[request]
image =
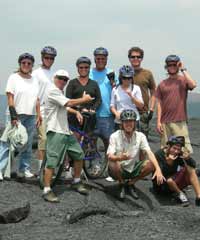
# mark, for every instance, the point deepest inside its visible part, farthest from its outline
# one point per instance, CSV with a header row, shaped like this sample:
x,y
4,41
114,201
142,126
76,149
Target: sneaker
x,y
183,199
95,171
80,188
110,179
197,202
122,192
1,176
28,174
50,197
132,191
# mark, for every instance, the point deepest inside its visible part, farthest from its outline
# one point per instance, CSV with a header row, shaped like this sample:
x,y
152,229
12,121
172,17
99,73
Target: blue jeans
x,y
105,126
25,155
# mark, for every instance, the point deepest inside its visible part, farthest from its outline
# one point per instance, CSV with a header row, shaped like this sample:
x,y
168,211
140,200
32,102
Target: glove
x,y
111,77
13,113
150,115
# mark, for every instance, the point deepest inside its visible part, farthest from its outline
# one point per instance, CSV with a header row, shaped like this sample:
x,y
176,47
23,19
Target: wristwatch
x,y
183,69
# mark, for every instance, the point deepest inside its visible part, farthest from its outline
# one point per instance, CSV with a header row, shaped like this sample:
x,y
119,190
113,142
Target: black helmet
x,y
172,58
49,50
126,72
101,51
128,114
173,140
83,60
26,56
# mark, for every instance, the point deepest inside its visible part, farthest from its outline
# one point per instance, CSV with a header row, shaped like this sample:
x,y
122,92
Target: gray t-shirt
x,y
56,112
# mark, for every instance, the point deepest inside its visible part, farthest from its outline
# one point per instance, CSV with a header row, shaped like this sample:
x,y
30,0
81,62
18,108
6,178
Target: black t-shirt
x,y
75,90
167,170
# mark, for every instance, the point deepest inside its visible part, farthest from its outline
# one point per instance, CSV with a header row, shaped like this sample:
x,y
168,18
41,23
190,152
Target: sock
x,y
46,190
76,180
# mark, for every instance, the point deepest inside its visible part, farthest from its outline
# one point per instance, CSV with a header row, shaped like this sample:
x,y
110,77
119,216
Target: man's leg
x,y
165,135
55,153
115,171
181,129
76,154
41,145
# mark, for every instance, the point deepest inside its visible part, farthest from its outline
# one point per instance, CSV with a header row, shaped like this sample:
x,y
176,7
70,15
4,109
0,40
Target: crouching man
x,y
124,145
179,170
59,138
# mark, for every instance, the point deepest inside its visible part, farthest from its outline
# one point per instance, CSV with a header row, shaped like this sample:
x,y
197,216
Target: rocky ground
x,y
101,215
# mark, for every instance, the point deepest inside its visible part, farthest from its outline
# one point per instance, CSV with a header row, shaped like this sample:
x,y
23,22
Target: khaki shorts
x,y
58,145
42,137
176,129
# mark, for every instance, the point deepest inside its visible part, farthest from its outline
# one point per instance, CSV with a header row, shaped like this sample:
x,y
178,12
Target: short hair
x,y
136,49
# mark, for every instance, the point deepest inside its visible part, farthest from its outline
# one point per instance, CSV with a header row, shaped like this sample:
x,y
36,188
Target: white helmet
x,y
61,73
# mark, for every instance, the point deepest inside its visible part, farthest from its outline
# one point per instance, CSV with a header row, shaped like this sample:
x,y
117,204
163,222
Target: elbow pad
x,y
13,113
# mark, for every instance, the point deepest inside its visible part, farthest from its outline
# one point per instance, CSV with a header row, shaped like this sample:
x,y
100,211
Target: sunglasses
x,y
135,57
49,58
100,59
65,79
172,65
127,78
83,67
26,63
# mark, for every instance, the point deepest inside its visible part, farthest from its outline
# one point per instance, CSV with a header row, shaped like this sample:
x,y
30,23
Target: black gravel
x,y
101,215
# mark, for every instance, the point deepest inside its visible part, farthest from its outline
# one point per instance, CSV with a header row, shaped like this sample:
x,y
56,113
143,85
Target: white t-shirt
x,y
121,100
55,111
25,93
120,144
45,78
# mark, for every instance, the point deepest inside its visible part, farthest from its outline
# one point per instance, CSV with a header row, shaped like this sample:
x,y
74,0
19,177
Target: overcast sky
x,y
76,27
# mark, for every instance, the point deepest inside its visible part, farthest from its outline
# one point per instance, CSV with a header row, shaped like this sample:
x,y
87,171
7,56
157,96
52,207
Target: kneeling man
x,y
179,170
124,145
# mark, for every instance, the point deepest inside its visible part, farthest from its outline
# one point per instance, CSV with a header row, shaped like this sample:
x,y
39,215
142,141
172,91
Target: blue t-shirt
x,y
105,88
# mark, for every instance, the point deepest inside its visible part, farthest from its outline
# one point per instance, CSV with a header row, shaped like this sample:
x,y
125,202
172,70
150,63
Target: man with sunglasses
x,y
44,74
178,169
59,138
145,80
172,96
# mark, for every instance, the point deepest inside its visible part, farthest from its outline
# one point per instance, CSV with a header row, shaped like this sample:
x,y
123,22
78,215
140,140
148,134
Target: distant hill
x,y
193,106
194,97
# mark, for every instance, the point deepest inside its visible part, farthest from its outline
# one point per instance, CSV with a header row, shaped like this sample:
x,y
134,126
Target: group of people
x,y
120,107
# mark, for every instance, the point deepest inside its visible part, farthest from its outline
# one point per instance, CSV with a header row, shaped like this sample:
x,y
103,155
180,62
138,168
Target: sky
x,y
76,27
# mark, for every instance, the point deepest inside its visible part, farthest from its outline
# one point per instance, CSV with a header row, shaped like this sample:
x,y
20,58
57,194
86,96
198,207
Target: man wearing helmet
x,y
104,77
77,87
145,80
44,75
170,158
172,95
126,95
124,145
105,121
59,138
